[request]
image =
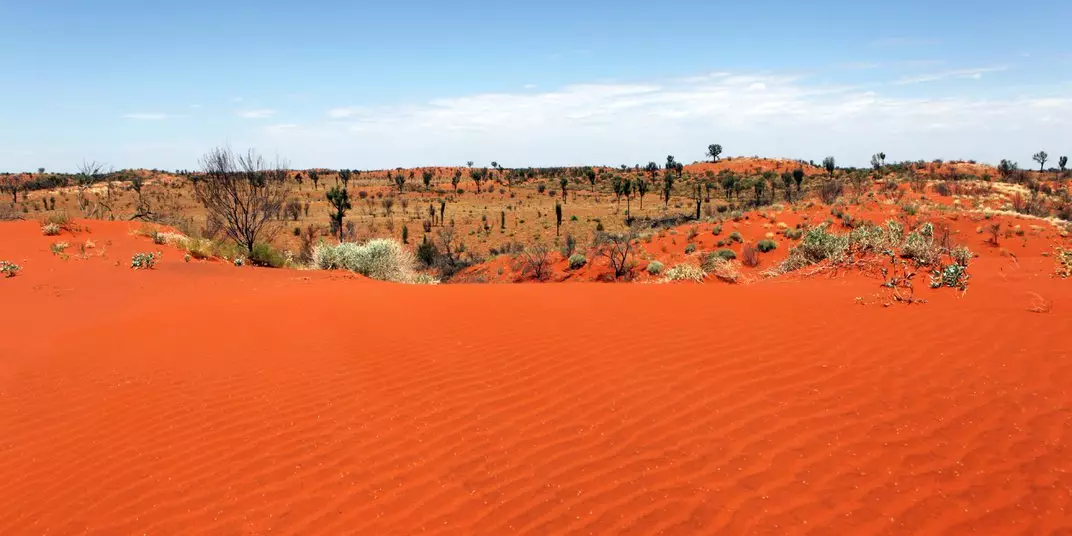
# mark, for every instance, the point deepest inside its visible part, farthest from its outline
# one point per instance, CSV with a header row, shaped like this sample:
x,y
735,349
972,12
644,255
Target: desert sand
x,y
201,398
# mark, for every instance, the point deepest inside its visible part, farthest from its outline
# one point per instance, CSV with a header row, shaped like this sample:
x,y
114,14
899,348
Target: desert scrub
x,y
722,269
724,254
57,248
655,267
266,255
765,246
961,255
9,269
817,245
717,230
1063,258
793,234
736,237
50,229
380,258
951,275
690,248
577,260
685,272
144,261
919,246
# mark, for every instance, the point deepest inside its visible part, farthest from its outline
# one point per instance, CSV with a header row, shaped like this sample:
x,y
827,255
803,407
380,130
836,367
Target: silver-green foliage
x,y
380,258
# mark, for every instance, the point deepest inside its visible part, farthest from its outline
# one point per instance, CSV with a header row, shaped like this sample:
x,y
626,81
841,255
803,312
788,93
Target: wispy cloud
x,y
974,74
339,113
632,122
147,116
255,114
195,106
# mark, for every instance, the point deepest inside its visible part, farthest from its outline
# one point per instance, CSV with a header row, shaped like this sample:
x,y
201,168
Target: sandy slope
x,y
203,398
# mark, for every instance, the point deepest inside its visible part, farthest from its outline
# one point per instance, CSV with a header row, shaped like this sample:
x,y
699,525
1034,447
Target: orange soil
x,y
201,398
752,165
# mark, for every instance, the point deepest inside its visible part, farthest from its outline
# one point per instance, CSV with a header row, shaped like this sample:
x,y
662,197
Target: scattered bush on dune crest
x,y
685,272
1063,257
722,269
144,261
919,246
380,258
577,260
50,229
9,269
655,267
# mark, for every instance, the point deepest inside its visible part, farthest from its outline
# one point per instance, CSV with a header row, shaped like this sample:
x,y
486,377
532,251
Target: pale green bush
x,y
380,258
685,272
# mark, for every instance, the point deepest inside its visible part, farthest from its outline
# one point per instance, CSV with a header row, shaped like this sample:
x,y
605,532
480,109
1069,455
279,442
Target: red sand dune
x,y
202,398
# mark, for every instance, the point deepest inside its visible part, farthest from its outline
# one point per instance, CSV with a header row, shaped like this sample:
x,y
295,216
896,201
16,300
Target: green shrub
x,y
685,272
577,260
766,245
717,230
427,252
655,267
725,254
144,261
793,234
736,237
951,275
690,248
58,248
919,245
961,255
9,269
816,246
50,229
379,258
266,255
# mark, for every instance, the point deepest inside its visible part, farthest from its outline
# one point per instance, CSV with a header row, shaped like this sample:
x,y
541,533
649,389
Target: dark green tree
x,y
714,150
340,201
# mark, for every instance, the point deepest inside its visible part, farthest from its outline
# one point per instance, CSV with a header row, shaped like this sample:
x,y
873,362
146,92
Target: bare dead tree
x,y
536,261
88,173
617,248
244,192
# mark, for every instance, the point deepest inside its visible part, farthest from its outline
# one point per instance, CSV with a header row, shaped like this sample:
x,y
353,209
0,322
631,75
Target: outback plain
x,y
739,345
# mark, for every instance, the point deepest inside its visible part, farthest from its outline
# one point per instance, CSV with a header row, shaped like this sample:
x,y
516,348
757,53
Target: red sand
x,y
202,398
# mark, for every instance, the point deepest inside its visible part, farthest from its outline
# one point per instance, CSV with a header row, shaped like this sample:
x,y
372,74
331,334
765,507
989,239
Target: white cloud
x,y
339,113
633,123
530,86
147,116
255,114
974,74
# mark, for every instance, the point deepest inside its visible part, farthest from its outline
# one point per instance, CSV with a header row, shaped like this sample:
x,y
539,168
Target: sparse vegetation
x,y
9,269
244,192
685,272
655,268
577,261
380,258
144,261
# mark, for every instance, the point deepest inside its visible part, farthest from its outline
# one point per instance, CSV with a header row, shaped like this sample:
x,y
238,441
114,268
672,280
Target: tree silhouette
x,y
1041,157
340,201
830,165
713,151
642,189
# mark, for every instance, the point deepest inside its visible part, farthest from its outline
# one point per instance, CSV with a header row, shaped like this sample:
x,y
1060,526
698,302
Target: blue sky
x,y
385,84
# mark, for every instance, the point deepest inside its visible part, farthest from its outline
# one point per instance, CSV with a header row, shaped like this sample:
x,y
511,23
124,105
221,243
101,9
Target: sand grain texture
x,y
203,398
